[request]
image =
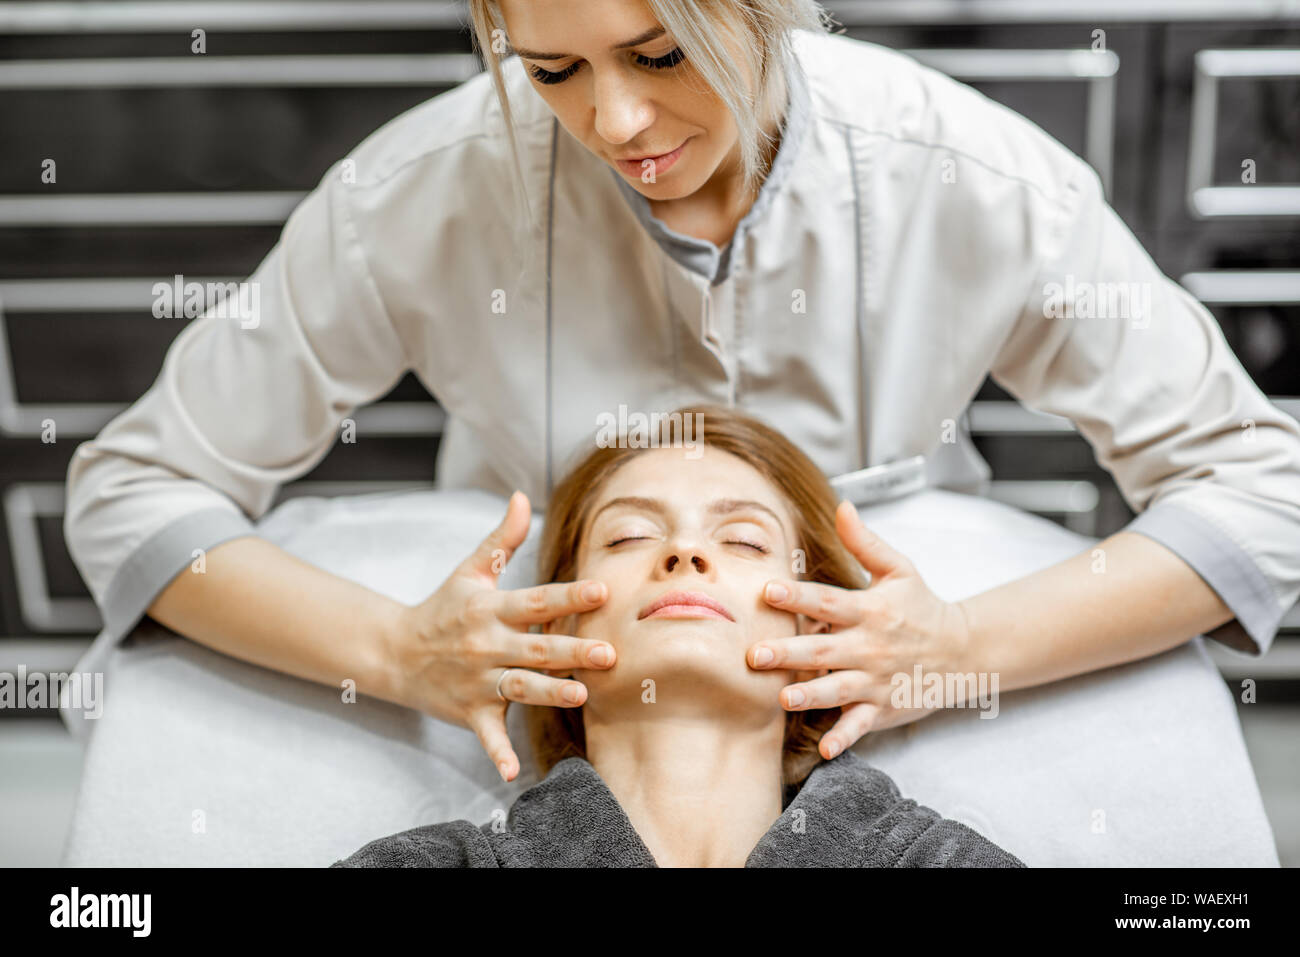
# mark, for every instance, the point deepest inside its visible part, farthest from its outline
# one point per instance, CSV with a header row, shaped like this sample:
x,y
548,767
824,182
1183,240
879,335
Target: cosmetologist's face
x,y
627,105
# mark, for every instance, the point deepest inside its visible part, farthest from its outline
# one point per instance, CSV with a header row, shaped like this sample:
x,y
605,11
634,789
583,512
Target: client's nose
x,y
701,564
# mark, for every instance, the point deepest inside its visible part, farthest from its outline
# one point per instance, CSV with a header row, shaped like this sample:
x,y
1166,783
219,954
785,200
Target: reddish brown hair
x,y
557,733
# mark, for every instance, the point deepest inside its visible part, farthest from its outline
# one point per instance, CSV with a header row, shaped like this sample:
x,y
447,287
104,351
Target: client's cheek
x,y
771,623
596,624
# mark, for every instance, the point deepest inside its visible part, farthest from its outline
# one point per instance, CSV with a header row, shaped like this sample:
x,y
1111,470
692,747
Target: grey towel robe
x,y
847,814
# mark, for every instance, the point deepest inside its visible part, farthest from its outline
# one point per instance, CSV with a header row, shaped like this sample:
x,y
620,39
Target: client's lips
x,y
685,604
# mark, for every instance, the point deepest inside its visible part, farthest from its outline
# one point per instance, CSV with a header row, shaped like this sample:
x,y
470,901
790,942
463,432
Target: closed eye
x,y
731,541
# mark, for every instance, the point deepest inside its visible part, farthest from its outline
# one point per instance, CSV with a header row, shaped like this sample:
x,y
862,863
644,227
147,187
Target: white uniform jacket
x,y
912,237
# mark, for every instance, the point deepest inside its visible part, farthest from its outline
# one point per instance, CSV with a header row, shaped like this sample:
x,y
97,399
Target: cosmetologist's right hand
x,y
452,649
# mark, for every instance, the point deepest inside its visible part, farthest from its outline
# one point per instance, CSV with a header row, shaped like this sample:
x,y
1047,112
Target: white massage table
x,y
200,759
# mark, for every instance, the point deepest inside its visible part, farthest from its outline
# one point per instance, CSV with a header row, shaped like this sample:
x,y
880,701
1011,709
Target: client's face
x,y
685,547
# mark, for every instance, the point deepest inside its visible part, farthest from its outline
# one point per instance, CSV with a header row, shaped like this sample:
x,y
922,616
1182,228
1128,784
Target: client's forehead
x,y
705,478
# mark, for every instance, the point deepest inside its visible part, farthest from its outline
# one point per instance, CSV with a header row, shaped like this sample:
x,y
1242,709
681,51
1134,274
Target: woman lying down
x,y
682,754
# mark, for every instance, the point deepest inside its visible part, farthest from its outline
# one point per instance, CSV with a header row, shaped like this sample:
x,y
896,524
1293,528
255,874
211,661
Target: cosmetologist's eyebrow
x,y
652,34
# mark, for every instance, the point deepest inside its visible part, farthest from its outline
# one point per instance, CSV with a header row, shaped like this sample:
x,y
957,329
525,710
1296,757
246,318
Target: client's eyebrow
x,y
652,34
721,506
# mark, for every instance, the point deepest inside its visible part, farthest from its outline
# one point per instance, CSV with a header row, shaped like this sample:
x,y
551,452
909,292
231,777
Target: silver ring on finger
x,y
500,677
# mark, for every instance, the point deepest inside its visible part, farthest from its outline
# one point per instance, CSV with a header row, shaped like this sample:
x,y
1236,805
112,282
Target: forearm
x,y
256,602
1125,599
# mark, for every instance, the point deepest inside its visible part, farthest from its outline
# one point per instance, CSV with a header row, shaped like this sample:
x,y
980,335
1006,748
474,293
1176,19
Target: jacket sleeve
x,y
1209,464
240,406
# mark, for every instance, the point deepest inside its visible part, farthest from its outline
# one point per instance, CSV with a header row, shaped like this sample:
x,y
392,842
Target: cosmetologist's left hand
x,y
877,632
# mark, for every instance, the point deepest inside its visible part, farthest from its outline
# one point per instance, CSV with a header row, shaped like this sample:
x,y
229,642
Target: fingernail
x,y
777,592
504,768
592,591
572,693
601,656
763,656
796,698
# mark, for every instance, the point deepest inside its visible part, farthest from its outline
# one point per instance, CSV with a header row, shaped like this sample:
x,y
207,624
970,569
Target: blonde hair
x,y
557,733
762,29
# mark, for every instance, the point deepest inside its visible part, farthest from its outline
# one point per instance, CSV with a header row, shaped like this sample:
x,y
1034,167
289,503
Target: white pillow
x,y
1138,765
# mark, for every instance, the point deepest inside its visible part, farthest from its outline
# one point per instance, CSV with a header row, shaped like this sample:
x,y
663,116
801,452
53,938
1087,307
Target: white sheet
x,y
280,772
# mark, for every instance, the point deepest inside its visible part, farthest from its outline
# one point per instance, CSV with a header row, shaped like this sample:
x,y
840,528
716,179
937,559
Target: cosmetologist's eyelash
x,y
656,63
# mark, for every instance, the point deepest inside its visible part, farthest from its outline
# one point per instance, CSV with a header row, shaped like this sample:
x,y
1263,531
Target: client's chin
x,y
682,666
